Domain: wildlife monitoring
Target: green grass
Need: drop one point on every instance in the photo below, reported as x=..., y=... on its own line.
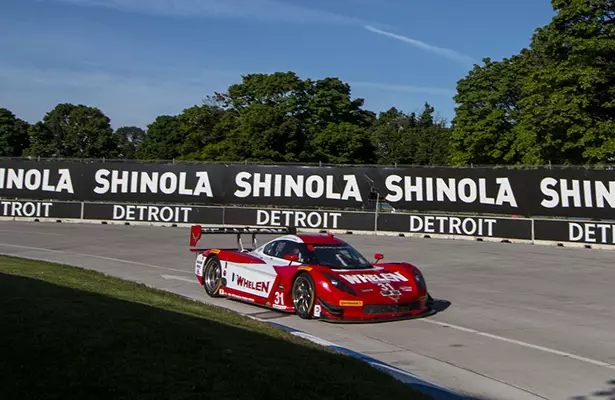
x=70, y=333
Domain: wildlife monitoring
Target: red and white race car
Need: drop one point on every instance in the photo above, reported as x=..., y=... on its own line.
x=312, y=275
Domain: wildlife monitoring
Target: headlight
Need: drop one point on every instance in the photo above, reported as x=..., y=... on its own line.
x=420, y=281
x=339, y=284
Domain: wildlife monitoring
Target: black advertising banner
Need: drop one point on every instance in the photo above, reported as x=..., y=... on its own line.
x=393, y=222
x=508, y=228
x=311, y=219
x=586, y=232
x=158, y=213
x=531, y=192
x=40, y=209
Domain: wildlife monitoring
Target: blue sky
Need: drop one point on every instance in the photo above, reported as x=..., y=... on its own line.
x=137, y=59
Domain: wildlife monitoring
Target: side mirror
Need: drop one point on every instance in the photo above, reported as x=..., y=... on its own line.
x=378, y=257
x=291, y=257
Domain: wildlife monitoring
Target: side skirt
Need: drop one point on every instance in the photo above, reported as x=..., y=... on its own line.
x=254, y=300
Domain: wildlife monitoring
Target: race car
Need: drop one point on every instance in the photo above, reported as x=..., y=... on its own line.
x=315, y=276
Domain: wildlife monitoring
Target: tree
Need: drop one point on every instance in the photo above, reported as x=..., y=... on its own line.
x=130, y=139
x=568, y=112
x=488, y=111
x=73, y=131
x=552, y=102
x=430, y=141
x=265, y=118
x=265, y=114
x=343, y=143
x=198, y=125
x=13, y=134
x=386, y=134
x=410, y=139
x=277, y=117
x=163, y=139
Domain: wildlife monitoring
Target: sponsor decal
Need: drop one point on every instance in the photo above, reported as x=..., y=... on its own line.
x=314, y=219
x=169, y=183
x=39, y=209
x=591, y=232
x=317, y=311
x=151, y=213
x=297, y=186
x=577, y=193
x=36, y=180
x=375, y=278
x=258, y=286
x=594, y=232
x=466, y=190
x=199, y=263
x=25, y=209
x=351, y=303
x=387, y=290
x=452, y=225
x=238, y=297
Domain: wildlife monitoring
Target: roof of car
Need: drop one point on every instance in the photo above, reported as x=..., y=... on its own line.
x=319, y=238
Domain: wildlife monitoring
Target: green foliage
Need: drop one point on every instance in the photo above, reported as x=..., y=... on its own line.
x=487, y=112
x=411, y=139
x=553, y=102
x=130, y=139
x=343, y=143
x=14, y=137
x=572, y=115
x=73, y=131
x=163, y=140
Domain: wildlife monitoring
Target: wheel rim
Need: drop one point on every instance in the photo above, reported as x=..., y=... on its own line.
x=212, y=276
x=303, y=295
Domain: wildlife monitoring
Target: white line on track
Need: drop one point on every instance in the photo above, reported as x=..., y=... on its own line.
x=178, y=278
x=520, y=343
x=95, y=256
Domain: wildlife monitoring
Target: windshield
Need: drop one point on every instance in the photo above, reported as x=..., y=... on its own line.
x=337, y=257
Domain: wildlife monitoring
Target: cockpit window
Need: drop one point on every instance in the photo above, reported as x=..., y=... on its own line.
x=334, y=256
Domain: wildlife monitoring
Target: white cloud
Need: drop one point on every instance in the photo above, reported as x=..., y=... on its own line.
x=264, y=10
x=452, y=54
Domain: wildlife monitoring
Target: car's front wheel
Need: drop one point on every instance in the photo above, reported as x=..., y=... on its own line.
x=304, y=295
x=212, y=275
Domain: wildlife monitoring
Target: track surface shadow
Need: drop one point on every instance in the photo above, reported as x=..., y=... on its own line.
x=602, y=394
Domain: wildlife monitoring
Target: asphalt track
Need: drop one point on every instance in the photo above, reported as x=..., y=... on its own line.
x=517, y=321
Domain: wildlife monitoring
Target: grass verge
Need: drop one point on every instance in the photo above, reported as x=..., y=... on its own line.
x=70, y=333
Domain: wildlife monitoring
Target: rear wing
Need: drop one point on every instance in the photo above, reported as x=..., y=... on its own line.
x=197, y=231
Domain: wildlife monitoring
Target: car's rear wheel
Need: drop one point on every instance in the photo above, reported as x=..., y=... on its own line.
x=213, y=277
x=304, y=295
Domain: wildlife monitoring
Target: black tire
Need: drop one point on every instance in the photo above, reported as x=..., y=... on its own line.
x=304, y=295
x=212, y=277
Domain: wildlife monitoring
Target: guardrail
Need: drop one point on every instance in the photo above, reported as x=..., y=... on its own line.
x=561, y=232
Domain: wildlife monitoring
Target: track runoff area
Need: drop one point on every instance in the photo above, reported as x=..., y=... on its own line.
x=516, y=321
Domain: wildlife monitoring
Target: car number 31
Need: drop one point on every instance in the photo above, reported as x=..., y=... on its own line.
x=386, y=289
x=278, y=298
